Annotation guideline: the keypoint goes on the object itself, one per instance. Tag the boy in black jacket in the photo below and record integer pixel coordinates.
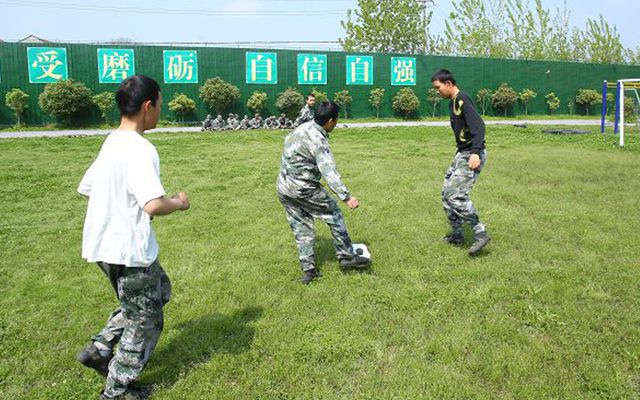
(463, 173)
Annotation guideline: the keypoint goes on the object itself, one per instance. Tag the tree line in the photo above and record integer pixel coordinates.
(518, 29)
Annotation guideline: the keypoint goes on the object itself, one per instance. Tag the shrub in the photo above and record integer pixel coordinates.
(65, 100)
(320, 95)
(182, 105)
(504, 98)
(434, 98)
(290, 102)
(405, 102)
(587, 98)
(376, 96)
(571, 106)
(553, 102)
(105, 102)
(630, 110)
(343, 99)
(483, 97)
(218, 94)
(257, 102)
(16, 100)
(525, 98)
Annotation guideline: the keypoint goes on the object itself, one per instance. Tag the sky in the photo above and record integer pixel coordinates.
(162, 21)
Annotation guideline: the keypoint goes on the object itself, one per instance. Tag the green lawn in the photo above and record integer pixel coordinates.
(550, 311)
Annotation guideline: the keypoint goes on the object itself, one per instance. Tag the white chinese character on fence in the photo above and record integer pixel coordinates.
(180, 68)
(47, 61)
(359, 70)
(312, 69)
(116, 65)
(404, 71)
(261, 68)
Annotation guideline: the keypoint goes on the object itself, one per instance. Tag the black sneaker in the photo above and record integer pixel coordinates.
(134, 392)
(453, 240)
(355, 262)
(309, 275)
(90, 357)
(479, 243)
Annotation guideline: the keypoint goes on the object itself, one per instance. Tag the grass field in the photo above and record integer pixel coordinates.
(550, 311)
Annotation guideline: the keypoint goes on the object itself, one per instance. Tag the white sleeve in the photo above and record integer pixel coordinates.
(144, 178)
(84, 188)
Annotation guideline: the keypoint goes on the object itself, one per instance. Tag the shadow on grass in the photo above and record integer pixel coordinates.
(198, 340)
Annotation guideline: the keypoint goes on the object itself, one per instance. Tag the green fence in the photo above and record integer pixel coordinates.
(472, 74)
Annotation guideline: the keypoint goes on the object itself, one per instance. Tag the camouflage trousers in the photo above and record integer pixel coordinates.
(458, 182)
(301, 212)
(136, 325)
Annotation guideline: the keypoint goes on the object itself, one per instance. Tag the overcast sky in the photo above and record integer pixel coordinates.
(239, 20)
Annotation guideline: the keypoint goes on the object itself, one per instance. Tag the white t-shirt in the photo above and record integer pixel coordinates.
(122, 179)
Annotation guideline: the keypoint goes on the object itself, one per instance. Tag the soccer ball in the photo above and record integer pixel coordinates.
(361, 250)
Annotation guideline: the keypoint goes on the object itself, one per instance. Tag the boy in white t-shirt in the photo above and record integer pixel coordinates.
(124, 190)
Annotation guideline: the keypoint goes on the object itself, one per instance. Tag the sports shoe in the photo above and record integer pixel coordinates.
(309, 275)
(90, 357)
(355, 262)
(481, 240)
(134, 392)
(453, 240)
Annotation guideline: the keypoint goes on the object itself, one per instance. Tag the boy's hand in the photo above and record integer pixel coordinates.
(352, 203)
(182, 196)
(474, 161)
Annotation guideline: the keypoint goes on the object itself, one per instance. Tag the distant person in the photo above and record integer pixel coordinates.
(306, 159)
(306, 113)
(208, 123)
(124, 191)
(471, 155)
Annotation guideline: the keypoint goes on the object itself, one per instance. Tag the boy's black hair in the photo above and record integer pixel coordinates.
(134, 91)
(443, 75)
(311, 95)
(325, 111)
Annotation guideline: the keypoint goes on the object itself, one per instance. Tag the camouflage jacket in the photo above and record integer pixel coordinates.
(305, 160)
(306, 114)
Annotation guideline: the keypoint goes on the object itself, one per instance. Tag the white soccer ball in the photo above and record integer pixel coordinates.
(361, 250)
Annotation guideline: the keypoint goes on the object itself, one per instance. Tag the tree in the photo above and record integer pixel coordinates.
(504, 98)
(476, 28)
(257, 102)
(634, 56)
(587, 98)
(65, 100)
(387, 26)
(376, 96)
(560, 46)
(483, 97)
(218, 94)
(343, 99)
(530, 30)
(320, 96)
(405, 102)
(525, 98)
(290, 102)
(434, 98)
(105, 102)
(182, 105)
(16, 100)
(553, 102)
(598, 43)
